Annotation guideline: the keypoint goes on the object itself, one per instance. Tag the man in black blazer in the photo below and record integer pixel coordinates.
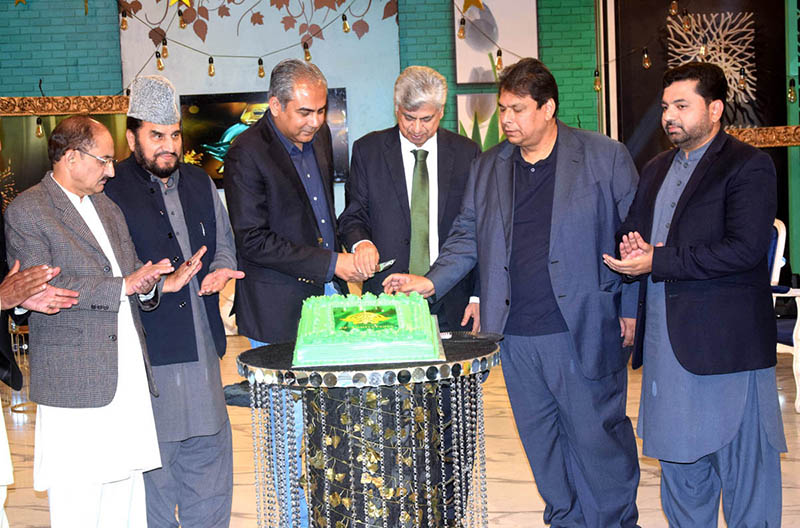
(377, 221)
(696, 238)
(279, 190)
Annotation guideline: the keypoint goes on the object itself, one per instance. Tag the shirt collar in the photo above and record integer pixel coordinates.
(172, 181)
(74, 198)
(407, 146)
(517, 157)
(290, 147)
(695, 154)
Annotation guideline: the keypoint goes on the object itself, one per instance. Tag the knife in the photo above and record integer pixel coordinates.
(384, 265)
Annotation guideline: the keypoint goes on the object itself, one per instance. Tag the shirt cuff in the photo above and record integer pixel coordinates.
(353, 249)
(332, 266)
(474, 299)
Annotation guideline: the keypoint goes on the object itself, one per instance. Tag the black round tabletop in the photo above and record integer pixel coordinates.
(458, 346)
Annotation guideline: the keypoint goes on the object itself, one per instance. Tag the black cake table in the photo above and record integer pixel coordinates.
(385, 445)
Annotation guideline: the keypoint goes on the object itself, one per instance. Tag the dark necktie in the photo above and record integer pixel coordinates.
(419, 258)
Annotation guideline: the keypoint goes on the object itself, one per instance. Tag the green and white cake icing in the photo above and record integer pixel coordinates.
(353, 330)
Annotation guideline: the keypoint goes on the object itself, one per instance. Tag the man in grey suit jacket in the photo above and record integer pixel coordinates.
(89, 365)
(538, 212)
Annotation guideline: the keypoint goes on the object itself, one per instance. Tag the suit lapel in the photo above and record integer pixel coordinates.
(70, 216)
(652, 192)
(278, 154)
(569, 164)
(699, 173)
(504, 178)
(324, 158)
(444, 175)
(102, 204)
(393, 155)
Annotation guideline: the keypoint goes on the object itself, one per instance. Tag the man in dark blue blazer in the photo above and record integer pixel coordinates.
(709, 408)
(538, 212)
(376, 223)
(279, 190)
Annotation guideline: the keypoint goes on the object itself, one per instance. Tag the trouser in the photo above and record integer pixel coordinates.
(746, 471)
(119, 504)
(578, 440)
(196, 477)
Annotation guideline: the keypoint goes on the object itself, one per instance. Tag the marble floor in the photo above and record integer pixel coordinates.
(513, 500)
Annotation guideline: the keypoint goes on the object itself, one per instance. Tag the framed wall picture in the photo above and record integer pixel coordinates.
(478, 119)
(490, 25)
(211, 123)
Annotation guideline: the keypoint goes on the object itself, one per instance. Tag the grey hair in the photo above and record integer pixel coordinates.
(287, 73)
(419, 85)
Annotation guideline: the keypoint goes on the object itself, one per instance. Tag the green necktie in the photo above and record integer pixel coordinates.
(419, 261)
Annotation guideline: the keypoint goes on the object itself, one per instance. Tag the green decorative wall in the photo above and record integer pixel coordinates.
(53, 40)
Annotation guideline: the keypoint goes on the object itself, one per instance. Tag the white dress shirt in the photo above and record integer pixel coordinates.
(432, 162)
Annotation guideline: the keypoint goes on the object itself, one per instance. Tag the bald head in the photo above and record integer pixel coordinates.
(73, 133)
(82, 152)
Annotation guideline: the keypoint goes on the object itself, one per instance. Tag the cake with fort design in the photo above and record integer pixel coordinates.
(353, 330)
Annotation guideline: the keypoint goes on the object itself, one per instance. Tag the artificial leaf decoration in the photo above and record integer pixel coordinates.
(330, 4)
(189, 14)
(339, 3)
(279, 3)
(200, 29)
(135, 6)
(257, 18)
(223, 11)
(303, 28)
(360, 28)
(315, 31)
(390, 9)
(157, 35)
(288, 22)
(203, 12)
(307, 39)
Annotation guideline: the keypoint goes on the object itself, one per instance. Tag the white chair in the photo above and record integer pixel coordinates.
(788, 327)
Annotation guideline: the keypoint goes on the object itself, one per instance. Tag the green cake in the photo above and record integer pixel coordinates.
(353, 330)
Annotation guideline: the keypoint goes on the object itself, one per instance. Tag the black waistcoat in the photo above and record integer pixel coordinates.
(170, 328)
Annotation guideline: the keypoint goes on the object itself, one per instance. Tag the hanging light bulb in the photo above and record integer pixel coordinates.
(686, 19)
(164, 50)
(261, 72)
(499, 63)
(462, 28)
(646, 62)
(597, 85)
(123, 25)
(742, 80)
(673, 8)
(704, 48)
(181, 21)
(39, 129)
(791, 95)
(345, 25)
(211, 70)
(306, 52)
(159, 62)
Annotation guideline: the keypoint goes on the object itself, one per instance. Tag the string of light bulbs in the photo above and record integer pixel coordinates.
(162, 53)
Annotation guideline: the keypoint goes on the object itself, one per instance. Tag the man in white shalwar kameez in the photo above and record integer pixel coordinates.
(95, 433)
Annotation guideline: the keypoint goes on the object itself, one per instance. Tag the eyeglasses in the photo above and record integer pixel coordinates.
(103, 160)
